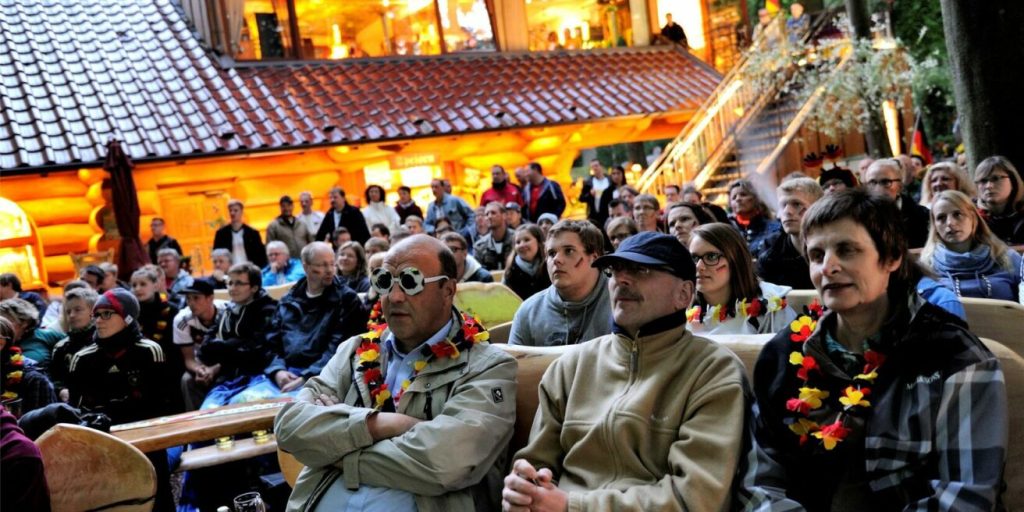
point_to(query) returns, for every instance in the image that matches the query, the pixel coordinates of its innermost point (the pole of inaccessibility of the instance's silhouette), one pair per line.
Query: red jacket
(509, 194)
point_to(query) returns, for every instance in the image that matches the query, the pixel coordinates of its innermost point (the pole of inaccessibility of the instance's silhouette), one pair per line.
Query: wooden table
(204, 425)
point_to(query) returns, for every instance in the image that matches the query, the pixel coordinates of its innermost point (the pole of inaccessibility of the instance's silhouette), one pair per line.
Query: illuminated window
(574, 25)
(324, 29)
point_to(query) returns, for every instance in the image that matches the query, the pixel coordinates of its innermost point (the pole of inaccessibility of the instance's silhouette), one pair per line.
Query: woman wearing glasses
(1001, 198)
(965, 254)
(730, 299)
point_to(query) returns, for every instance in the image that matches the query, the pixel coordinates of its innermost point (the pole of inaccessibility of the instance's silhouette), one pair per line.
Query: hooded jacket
(474, 272)
(545, 319)
(239, 342)
(975, 273)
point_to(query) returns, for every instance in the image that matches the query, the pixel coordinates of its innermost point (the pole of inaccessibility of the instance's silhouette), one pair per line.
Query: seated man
(782, 260)
(176, 278)
(467, 267)
(415, 417)
(191, 327)
(575, 308)
(650, 417)
(281, 267)
(310, 322)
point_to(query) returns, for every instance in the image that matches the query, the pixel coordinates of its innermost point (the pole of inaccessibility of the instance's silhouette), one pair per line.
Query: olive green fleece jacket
(653, 422)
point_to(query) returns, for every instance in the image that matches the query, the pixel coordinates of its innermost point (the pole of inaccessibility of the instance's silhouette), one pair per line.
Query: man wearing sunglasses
(649, 417)
(435, 443)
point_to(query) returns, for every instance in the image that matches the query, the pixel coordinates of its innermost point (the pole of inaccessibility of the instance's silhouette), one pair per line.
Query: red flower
(873, 359)
(832, 434)
(443, 349)
(754, 309)
(806, 366)
(372, 375)
(815, 309)
(797, 405)
(722, 314)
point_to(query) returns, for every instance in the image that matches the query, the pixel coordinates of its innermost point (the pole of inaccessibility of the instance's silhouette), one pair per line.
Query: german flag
(919, 142)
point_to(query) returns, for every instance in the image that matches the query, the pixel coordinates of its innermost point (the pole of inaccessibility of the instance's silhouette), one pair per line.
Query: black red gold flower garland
(13, 373)
(810, 398)
(471, 333)
(720, 313)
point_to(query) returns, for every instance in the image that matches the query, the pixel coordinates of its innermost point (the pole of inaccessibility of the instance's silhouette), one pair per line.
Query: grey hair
(220, 253)
(168, 252)
(19, 310)
(312, 248)
(277, 244)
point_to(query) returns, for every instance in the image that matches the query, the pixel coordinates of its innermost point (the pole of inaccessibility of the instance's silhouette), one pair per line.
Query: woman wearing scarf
(751, 215)
(526, 273)
(964, 253)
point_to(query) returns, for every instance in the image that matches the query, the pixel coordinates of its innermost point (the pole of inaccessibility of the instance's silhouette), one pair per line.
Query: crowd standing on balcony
(656, 276)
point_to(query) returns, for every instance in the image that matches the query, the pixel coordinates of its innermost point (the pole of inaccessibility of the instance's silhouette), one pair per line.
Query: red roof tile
(77, 72)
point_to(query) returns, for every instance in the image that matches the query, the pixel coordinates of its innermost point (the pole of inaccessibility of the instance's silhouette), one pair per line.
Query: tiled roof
(74, 73)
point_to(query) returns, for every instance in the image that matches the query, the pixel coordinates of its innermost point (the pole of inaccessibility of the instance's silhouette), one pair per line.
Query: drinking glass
(250, 502)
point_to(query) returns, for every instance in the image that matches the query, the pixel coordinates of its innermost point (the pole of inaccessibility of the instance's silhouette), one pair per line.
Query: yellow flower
(774, 304)
(419, 365)
(372, 335)
(482, 336)
(405, 384)
(799, 324)
(693, 314)
(796, 358)
(382, 397)
(369, 356)
(813, 396)
(870, 377)
(853, 398)
(8, 395)
(17, 358)
(743, 308)
(716, 311)
(803, 426)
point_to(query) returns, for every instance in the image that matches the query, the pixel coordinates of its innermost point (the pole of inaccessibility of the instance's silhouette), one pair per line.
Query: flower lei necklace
(720, 313)
(810, 398)
(471, 333)
(13, 373)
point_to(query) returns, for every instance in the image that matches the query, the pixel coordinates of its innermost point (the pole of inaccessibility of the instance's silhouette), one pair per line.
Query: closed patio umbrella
(126, 210)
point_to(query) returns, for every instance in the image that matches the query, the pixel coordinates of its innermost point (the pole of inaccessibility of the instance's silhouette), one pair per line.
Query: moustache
(626, 295)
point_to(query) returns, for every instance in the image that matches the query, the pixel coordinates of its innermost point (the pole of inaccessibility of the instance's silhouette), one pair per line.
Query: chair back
(500, 332)
(997, 319)
(1013, 371)
(492, 303)
(533, 362)
(90, 470)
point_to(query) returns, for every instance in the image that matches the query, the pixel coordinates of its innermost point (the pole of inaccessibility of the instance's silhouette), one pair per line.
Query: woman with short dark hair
(885, 403)
(751, 215)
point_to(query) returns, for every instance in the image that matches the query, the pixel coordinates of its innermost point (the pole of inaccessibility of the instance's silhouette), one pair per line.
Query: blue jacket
(757, 233)
(937, 294)
(976, 274)
(305, 332)
(552, 200)
(453, 208)
(293, 272)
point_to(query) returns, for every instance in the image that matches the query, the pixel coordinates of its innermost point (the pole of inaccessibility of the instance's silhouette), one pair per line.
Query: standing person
(542, 195)
(281, 267)
(502, 190)
(592, 194)
(782, 261)
(352, 267)
(846, 404)
(965, 255)
(799, 24)
(751, 215)
(674, 32)
(288, 229)
(160, 239)
(342, 215)
(526, 272)
(1001, 198)
(377, 211)
(730, 299)
(576, 307)
(647, 417)
(492, 250)
(243, 241)
(310, 217)
(416, 416)
(124, 375)
(406, 206)
(885, 177)
(447, 206)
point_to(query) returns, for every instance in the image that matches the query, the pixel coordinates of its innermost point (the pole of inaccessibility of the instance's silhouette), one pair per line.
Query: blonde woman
(945, 176)
(965, 254)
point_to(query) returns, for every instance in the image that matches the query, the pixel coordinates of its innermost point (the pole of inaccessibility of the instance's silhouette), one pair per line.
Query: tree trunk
(874, 132)
(985, 40)
(635, 153)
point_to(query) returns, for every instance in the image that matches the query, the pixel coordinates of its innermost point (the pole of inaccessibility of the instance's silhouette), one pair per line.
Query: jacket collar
(656, 326)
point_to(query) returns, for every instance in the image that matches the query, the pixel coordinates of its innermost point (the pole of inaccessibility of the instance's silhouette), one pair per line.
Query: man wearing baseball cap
(123, 375)
(191, 327)
(653, 414)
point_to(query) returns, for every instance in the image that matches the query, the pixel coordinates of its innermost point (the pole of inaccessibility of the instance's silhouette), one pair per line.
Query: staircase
(744, 125)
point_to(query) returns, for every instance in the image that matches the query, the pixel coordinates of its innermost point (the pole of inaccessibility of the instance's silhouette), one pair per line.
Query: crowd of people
(645, 414)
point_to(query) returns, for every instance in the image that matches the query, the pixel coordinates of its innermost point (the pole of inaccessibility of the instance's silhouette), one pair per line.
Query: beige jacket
(651, 423)
(455, 461)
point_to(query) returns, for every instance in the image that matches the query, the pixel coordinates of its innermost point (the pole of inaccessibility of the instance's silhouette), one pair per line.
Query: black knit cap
(838, 173)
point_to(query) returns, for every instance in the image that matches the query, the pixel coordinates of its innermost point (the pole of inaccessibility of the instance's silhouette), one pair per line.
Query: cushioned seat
(491, 303)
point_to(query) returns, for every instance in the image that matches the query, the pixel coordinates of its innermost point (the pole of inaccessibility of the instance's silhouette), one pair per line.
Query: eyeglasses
(710, 259)
(642, 271)
(237, 283)
(455, 249)
(410, 280)
(991, 180)
(884, 183)
(104, 314)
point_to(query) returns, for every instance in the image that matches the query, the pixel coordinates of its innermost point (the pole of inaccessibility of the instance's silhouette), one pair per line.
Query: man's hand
(64, 395)
(527, 489)
(385, 425)
(287, 381)
(326, 400)
(207, 374)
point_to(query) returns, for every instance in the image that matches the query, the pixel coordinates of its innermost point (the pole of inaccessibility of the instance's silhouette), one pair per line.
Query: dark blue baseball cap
(653, 249)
